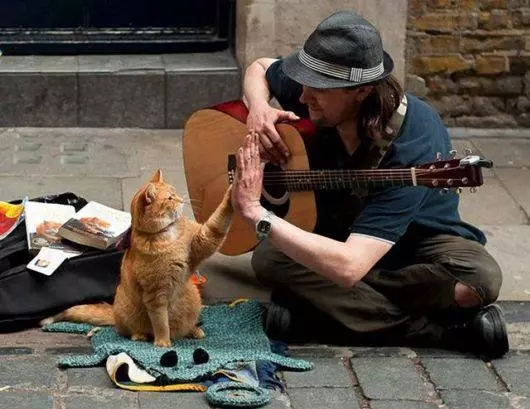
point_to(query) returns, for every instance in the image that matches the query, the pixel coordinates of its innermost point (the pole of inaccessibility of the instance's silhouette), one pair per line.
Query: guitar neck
(343, 179)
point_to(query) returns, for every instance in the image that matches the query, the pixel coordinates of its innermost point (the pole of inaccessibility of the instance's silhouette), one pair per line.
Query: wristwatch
(264, 226)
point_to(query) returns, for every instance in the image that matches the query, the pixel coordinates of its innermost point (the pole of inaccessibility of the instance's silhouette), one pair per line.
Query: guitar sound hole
(275, 195)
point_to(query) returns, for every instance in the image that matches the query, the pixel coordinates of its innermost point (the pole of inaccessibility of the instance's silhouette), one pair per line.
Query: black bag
(27, 296)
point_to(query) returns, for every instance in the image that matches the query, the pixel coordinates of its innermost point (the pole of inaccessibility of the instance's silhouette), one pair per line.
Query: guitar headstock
(453, 173)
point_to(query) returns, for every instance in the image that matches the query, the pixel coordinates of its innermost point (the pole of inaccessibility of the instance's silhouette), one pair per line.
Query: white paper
(48, 260)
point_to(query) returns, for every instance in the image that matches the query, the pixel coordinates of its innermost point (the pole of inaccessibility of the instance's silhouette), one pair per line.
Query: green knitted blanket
(233, 333)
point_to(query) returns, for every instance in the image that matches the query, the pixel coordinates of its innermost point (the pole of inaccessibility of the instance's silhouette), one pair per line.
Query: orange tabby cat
(155, 297)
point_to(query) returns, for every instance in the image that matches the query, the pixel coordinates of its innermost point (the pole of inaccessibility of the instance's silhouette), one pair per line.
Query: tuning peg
(444, 191)
(467, 151)
(453, 153)
(438, 156)
(456, 190)
(473, 189)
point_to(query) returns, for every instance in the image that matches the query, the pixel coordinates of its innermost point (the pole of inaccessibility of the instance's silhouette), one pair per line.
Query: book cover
(96, 225)
(43, 221)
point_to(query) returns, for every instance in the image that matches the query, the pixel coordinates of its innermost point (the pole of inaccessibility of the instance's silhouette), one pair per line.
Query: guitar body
(210, 136)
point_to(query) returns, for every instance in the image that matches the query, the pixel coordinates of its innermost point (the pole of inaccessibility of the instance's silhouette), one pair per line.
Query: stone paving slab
(28, 372)
(516, 182)
(69, 152)
(88, 379)
(476, 399)
(399, 404)
(223, 271)
(513, 153)
(26, 400)
(323, 398)
(514, 370)
(399, 375)
(509, 246)
(450, 373)
(103, 190)
(492, 204)
(328, 373)
(170, 401)
(99, 402)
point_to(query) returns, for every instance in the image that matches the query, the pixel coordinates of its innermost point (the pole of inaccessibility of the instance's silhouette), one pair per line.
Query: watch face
(263, 227)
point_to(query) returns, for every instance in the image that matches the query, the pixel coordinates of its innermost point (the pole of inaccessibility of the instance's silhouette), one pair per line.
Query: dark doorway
(115, 26)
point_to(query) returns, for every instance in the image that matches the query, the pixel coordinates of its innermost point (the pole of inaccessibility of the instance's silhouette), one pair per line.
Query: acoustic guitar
(213, 135)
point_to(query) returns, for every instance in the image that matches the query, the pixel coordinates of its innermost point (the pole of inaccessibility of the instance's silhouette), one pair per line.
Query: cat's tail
(95, 314)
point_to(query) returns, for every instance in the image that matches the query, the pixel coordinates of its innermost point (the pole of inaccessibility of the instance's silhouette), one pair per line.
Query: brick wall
(471, 60)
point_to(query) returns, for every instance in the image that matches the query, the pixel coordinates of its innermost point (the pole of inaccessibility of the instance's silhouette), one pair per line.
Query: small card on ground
(49, 259)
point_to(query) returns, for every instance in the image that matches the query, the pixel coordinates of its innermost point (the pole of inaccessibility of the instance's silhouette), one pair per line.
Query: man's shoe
(277, 322)
(484, 335)
(489, 328)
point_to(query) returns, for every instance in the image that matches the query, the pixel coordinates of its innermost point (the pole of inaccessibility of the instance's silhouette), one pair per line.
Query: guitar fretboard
(344, 179)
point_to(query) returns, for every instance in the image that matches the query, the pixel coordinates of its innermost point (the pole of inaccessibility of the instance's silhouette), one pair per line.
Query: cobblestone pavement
(376, 378)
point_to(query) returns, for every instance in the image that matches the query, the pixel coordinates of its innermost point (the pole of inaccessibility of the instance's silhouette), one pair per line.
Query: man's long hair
(379, 106)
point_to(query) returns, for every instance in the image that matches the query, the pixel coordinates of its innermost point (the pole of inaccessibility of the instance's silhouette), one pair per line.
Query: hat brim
(294, 69)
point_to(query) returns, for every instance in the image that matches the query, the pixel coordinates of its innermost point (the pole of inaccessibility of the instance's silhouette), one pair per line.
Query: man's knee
(490, 278)
(471, 264)
(492, 281)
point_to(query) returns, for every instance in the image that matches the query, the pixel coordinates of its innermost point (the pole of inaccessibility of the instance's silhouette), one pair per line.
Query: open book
(96, 225)
(43, 221)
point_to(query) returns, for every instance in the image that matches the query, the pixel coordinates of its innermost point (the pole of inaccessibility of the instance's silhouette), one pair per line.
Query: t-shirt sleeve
(286, 91)
(388, 213)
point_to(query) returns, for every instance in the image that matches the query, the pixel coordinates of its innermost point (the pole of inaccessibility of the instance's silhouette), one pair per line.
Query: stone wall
(471, 60)
(272, 28)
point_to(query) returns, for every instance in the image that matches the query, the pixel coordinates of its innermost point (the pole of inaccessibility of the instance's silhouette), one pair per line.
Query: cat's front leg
(157, 309)
(212, 233)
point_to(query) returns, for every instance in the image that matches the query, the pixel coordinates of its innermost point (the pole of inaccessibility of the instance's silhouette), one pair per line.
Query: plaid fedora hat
(345, 50)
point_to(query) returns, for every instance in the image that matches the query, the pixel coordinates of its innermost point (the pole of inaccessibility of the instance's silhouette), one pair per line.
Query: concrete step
(146, 91)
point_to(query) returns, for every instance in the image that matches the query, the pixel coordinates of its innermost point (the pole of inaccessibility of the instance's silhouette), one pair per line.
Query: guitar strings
(332, 176)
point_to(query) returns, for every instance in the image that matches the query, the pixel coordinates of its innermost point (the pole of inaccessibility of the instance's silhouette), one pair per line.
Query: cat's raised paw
(197, 333)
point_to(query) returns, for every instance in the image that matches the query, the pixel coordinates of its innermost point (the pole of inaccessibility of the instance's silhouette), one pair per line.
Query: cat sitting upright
(155, 297)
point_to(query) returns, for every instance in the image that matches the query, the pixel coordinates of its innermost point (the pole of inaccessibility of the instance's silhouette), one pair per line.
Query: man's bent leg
(449, 274)
(361, 308)
(453, 283)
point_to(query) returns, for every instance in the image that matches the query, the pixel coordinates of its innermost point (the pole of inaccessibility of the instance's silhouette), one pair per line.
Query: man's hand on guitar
(246, 191)
(262, 118)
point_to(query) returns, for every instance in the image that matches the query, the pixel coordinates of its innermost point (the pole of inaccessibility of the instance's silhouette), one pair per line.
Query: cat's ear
(150, 193)
(157, 177)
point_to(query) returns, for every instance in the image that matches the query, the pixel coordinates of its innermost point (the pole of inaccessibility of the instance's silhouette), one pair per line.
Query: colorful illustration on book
(10, 217)
(96, 225)
(47, 233)
(43, 221)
